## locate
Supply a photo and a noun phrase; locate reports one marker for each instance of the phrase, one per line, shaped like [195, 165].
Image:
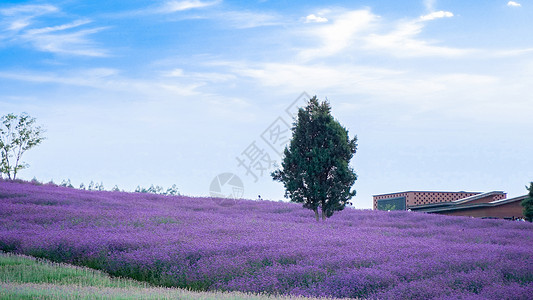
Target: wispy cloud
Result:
[362, 30]
[312, 18]
[28, 9]
[430, 5]
[248, 19]
[175, 6]
[403, 42]
[513, 4]
[72, 43]
[512, 52]
[436, 15]
[107, 79]
[200, 76]
[340, 34]
[67, 38]
[58, 28]
[19, 17]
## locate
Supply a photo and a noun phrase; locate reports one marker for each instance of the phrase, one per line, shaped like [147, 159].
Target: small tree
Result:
[17, 135]
[528, 204]
[315, 168]
[67, 183]
[172, 191]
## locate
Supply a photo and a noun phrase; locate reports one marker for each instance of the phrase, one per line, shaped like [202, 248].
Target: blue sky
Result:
[162, 92]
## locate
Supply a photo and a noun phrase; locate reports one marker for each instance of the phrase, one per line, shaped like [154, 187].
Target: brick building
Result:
[405, 200]
[483, 205]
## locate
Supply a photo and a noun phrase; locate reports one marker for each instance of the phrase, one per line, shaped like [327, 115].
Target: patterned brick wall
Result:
[422, 198]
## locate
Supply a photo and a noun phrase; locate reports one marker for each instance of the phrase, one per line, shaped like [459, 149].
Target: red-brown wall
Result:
[421, 198]
[507, 210]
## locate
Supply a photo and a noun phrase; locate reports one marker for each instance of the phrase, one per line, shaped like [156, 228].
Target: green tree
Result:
[528, 203]
[17, 135]
[315, 168]
[172, 191]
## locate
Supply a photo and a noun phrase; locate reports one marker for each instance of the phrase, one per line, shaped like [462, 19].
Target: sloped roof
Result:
[440, 192]
[477, 197]
[449, 206]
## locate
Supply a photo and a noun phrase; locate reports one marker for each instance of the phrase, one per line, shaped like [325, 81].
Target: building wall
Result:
[507, 210]
[388, 196]
[421, 198]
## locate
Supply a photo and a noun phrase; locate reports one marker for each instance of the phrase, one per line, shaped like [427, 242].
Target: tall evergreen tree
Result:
[315, 168]
[528, 204]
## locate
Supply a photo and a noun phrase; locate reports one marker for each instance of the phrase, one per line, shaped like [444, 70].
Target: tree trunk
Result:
[324, 215]
[316, 214]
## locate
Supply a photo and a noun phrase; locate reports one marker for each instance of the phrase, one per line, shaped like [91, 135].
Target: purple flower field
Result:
[269, 247]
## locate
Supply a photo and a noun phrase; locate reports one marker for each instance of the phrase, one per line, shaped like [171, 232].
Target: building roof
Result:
[477, 197]
[442, 192]
[449, 206]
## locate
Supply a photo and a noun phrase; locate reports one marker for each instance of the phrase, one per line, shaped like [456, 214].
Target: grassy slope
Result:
[24, 277]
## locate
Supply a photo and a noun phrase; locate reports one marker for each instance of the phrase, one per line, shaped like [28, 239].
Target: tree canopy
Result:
[315, 167]
[17, 135]
[528, 203]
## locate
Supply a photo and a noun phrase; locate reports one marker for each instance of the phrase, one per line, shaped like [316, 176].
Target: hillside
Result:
[269, 247]
[24, 277]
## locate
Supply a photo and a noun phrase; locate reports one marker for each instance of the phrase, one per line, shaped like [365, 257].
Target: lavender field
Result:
[269, 247]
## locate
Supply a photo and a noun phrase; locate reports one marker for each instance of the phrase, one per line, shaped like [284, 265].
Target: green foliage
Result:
[159, 190]
[23, 269]
[93, 186]
[388, 207]
[528, 204]
[66, 183]
[17, 135]
[315, 168]
[23, 277]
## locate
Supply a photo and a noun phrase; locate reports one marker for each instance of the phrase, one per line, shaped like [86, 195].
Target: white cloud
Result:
[72, 43]
[315, 19]
[175, 6]
[403, 40]
[107, 79]
[348, 32]
[342, 78]
[200, 76]
[19, 17]
[513, 52]
[513, 4]
[18, 24]
[247, 19]
[466, 94]
[429, 4]
[57, 28]
[436, 15]
[28, 9]
[340, 34]
[66, 38]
